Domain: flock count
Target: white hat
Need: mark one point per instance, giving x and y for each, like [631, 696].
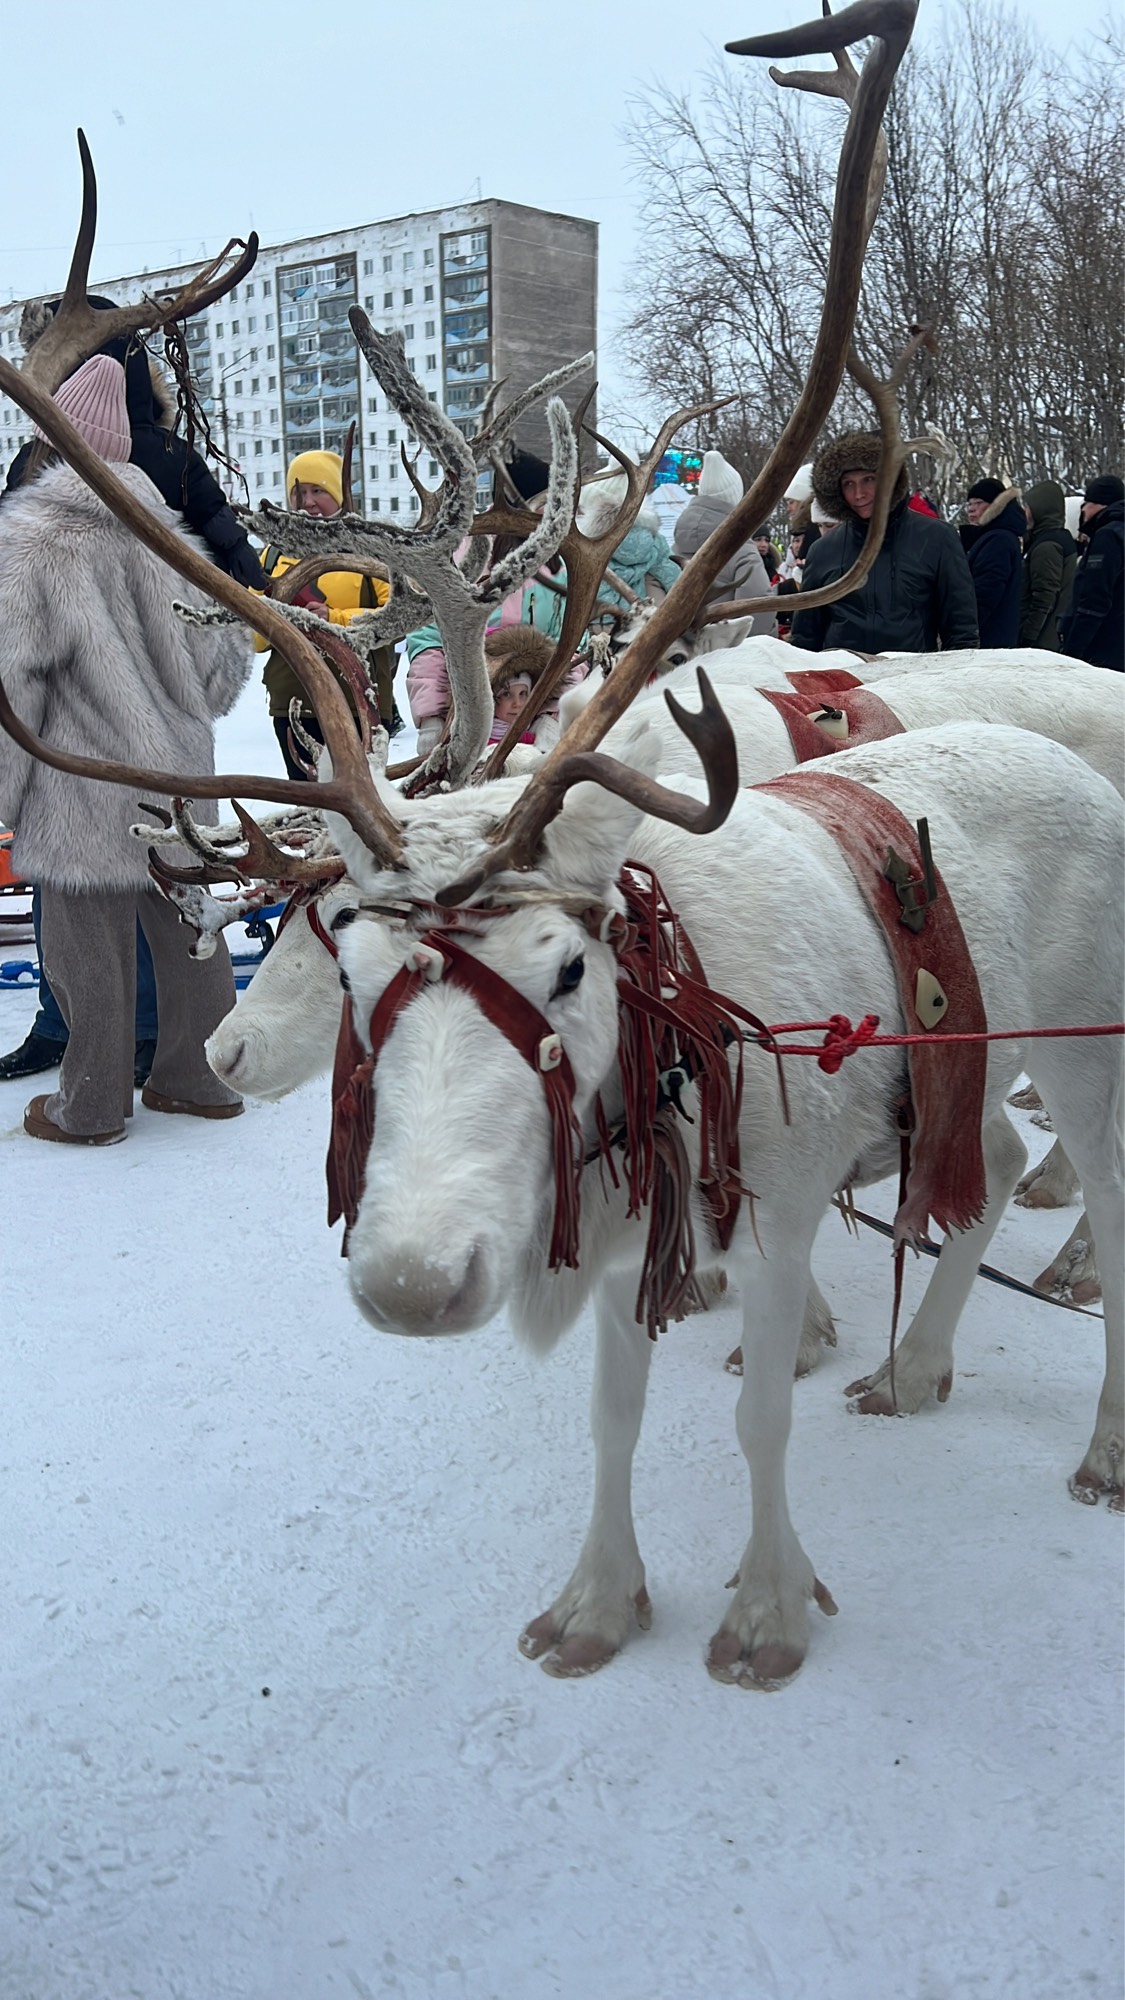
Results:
[800, 486]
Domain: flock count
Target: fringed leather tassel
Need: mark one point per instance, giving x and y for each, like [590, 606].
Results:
[353, 1125]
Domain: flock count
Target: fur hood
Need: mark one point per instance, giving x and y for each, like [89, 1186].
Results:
[856, 451]
[95, 660]
[517, 649]
[1000, 505]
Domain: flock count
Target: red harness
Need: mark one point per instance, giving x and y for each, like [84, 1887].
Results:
[820, 724]
[672, 1031]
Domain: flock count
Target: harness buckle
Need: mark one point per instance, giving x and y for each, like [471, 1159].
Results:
[550, 1052]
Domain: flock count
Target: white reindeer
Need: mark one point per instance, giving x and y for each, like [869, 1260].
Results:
[282, 1032]
[483, 978]
[447, 1235]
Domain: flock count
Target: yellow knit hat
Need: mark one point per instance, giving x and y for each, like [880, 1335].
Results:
[317, 468]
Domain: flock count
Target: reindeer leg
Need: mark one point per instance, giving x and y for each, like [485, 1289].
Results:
[763, 1639]
[591, 1617]
[924, 1357]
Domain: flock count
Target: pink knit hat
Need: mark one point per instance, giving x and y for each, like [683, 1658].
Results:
[94, 400]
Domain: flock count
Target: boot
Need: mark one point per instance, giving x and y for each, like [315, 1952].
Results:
[144, 1055]
[33, 1056]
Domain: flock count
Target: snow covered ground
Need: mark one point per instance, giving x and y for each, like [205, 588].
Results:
[266, 1732]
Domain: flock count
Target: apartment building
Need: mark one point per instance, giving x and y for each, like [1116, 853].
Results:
[488, 291]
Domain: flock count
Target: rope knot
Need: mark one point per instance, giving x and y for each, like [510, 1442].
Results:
[843, 1040]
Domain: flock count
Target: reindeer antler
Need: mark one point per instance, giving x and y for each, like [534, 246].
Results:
[78, 329]
[351, 790]
[515, 842]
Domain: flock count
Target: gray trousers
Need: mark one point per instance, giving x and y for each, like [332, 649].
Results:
[89, 955]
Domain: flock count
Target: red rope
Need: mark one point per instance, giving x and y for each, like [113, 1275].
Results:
[842, 1040]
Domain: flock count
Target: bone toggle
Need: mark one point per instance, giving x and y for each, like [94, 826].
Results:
[426, 958]
[930, 1002]
[550, 1052]
[833, 721]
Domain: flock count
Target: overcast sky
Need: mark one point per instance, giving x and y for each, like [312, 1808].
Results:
[225, 115]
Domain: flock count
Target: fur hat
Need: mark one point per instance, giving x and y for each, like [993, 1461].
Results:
[94, 400]
[800, 487]
[1104, 490]
[317, 468]
[718, 480]
[986, 489]
[517, 649]
[856, 451]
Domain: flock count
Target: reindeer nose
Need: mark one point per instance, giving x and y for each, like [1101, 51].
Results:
[225, 1058]
[413, 1293]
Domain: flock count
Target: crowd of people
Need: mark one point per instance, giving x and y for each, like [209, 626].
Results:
[92, 654]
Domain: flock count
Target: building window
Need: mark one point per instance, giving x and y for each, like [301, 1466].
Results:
[429, 329]
[277, 475]
[222, 361]
[273, 413]
[257, 447]
[375, 503]
[269, 322]
[272, 384]
[236, 324]
[265, 288]
[238, 387]
[392, 437]
[433, 395]
[408, 331]
[257, 419]
[388, 264]
[428, 259]
[392, 470]
[247, 291]
[373, 437]
[252, 323]
[408, 297]
[432, 469]
[253, 356]
[368, 266]
[388, 301]
[218, 329]
[275, 445]
[233, 293]
[431, 363]
[408, 260]
[428, 296]
[255, 385]
[394, 504]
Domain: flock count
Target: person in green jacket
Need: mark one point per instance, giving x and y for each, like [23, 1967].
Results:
[1050, 557]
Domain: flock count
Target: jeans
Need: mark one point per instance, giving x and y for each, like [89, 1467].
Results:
[49, 1023]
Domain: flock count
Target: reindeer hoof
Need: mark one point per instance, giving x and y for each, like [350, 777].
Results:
[572, 1657]
[868, 1401]
[764, 1670]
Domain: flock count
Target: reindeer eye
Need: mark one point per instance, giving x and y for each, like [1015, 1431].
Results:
[343, 918]
[569, 977]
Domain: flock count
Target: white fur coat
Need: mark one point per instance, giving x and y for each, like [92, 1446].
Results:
[94, 660]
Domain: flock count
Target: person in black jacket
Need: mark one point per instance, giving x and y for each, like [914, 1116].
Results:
[179, 474]
[918, 594]
[993, 543]
[1095, 629]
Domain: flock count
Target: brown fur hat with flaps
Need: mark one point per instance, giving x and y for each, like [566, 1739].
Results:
[517, 649]
[856, 451]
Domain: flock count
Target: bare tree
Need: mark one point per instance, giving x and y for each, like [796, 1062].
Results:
[1001, 229]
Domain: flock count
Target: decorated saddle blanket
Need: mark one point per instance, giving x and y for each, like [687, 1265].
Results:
[937, 985]
[830, 710]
